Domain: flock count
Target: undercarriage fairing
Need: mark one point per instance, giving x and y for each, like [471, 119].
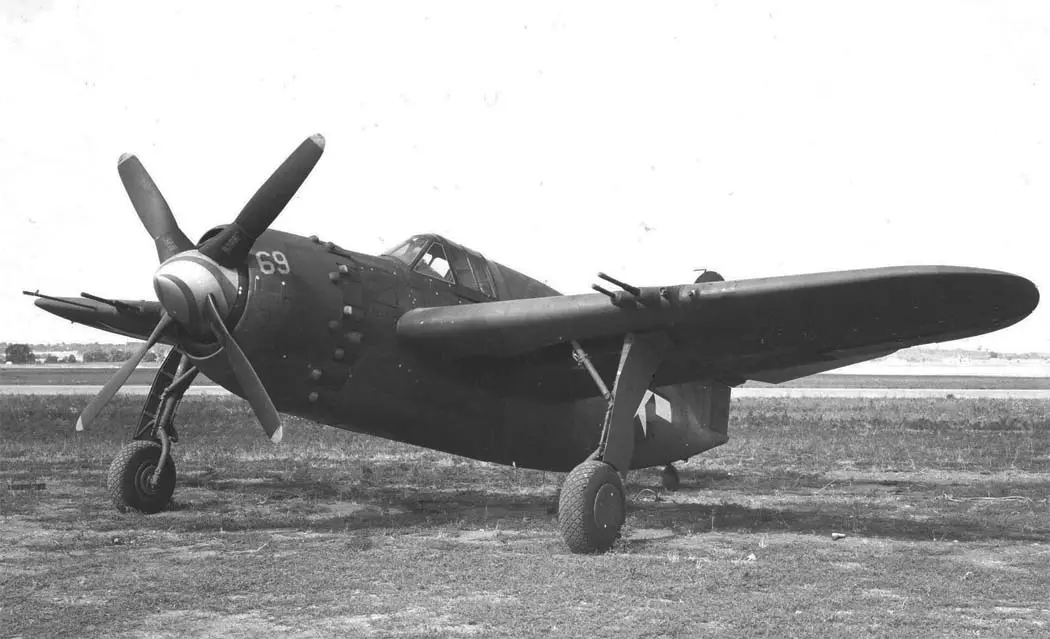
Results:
[695, 419]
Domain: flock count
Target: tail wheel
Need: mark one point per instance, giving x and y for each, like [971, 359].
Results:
[592, 508]
[669, 478]
[130, 479]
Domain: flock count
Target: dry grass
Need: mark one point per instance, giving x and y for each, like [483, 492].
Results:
[943, 501]
[78, 375]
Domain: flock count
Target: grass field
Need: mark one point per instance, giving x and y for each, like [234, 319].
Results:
[943, 504]
[94, 375]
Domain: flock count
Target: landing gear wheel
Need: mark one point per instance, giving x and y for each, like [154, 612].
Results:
[130, 478]
[591, 509]
[669, 478]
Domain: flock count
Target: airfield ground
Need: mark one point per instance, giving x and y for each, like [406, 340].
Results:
[943, 504]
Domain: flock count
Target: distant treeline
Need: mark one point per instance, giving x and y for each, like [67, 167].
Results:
[75, 353]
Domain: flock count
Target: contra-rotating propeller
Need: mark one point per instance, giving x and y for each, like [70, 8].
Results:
[197, 285]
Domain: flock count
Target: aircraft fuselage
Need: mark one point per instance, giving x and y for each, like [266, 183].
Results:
[319, 324]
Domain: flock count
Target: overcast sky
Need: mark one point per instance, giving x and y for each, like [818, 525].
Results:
[643, 139]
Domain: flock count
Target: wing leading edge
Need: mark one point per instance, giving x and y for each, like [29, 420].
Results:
[772, 329]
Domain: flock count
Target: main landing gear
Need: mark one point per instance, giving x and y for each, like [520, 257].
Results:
[133, 479]
[592, 506]
[142, 475]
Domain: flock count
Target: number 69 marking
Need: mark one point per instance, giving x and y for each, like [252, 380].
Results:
[270, 263]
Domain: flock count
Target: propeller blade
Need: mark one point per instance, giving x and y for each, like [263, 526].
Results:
[96, 405]
[251, 385]
[231, 245]
[152, 208]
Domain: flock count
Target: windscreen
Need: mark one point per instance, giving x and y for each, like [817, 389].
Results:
[408, 250]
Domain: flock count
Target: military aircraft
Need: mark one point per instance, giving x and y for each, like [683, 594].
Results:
[433, 344]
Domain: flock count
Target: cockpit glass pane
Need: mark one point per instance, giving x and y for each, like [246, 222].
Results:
[462, 268]
[482, 275]
[408, 250]
[435, 264]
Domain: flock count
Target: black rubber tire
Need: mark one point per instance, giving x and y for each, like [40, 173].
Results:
[592, 507]
[669, 478]
[129, 474]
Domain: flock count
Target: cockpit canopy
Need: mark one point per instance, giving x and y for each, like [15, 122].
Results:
[434, 256]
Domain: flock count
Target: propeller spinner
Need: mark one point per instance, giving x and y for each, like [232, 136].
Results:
[198, 286]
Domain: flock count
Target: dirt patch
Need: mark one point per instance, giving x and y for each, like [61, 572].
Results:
[411, 622]
[198, 623]
[883, 593]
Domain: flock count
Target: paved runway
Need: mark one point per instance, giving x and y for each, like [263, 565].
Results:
[739, 392]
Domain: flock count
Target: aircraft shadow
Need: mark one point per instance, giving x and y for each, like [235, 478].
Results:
[354, 506]
[698, 519]
[897, 509]
[378, 506]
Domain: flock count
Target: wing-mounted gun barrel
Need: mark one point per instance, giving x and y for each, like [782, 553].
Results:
[623, 299]
[633, 290]
[117, 304]
[59, 300]
[131, 319]
[635, 296]
[627, 298]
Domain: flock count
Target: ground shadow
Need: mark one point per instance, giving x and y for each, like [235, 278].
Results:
[743, 519]
[405, 506]
[950, 520]
[271, 499]
[334, 505]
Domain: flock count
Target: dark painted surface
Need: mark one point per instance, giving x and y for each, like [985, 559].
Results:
[367, 344]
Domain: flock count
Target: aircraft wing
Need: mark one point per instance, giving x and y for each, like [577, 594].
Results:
[771, 329]
[131, 318]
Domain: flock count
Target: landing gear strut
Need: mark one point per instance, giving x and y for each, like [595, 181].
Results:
[592, 507]
[142, 475]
